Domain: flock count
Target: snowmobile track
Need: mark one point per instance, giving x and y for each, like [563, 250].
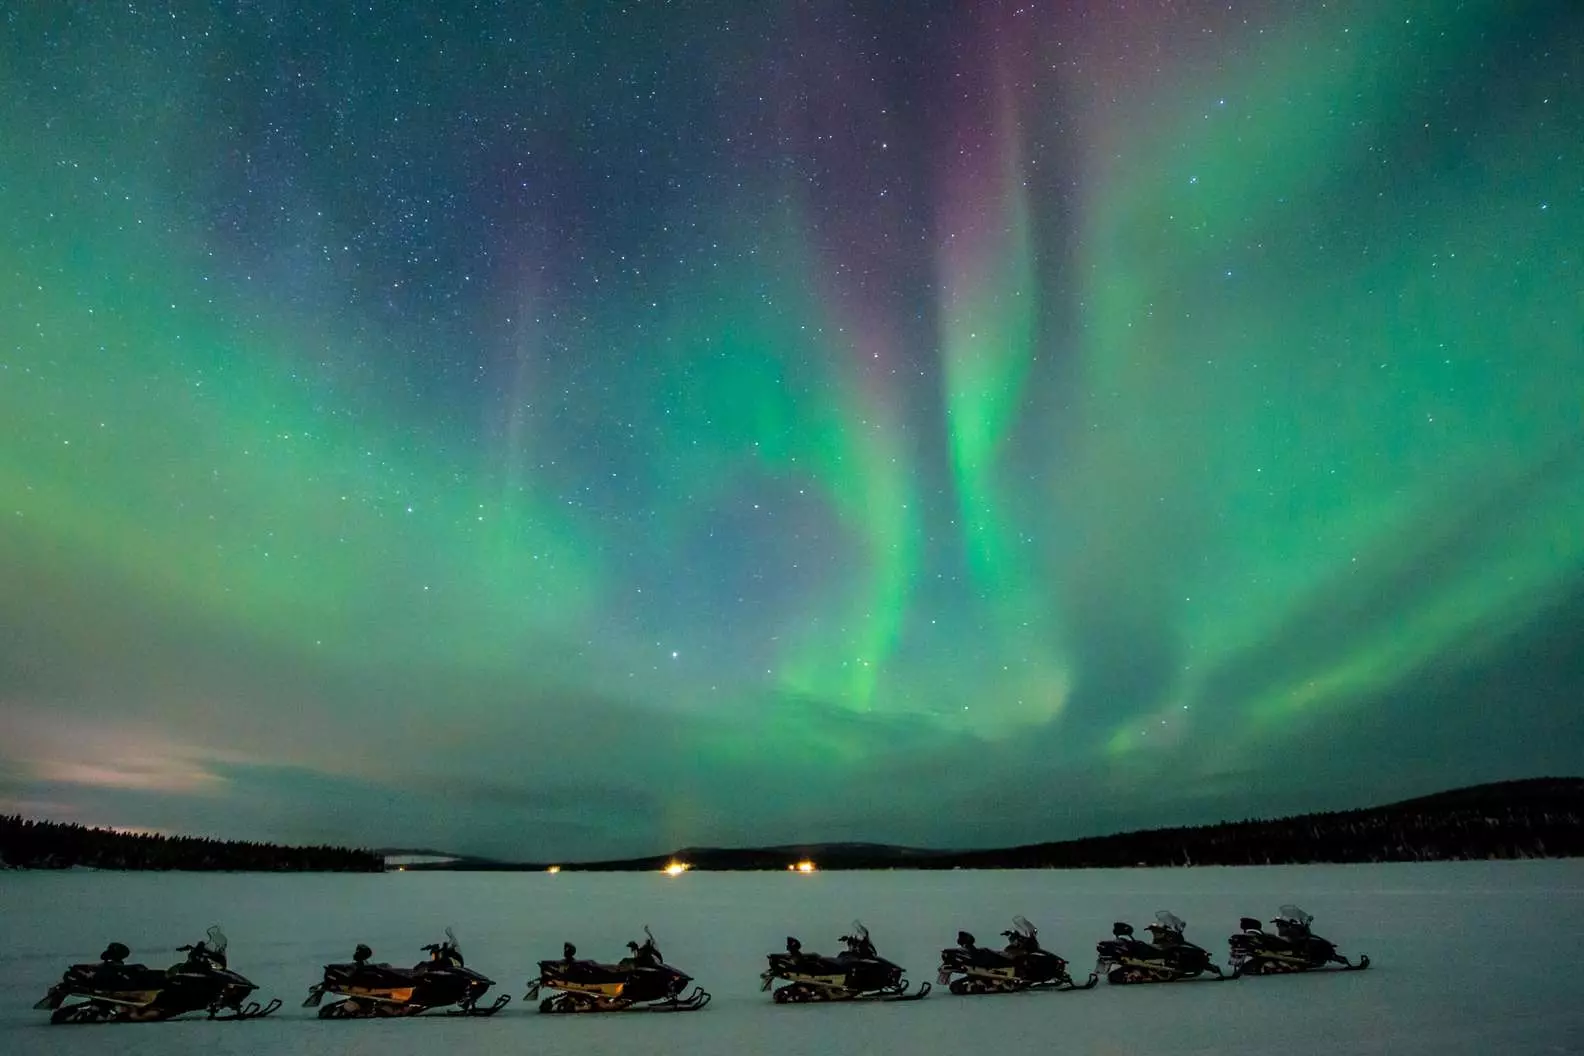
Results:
[564, 1004]
[1255, 967]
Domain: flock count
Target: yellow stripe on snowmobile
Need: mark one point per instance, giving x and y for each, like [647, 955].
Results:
[402, 995]
[607, 989]
[816, 980]
[136, 998]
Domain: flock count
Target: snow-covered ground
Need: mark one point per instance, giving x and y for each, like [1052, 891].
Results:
[1469, 958]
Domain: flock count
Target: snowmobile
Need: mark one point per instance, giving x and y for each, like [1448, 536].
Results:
[117, 992]
[642, 982]
[373, 990]
[1167, 958]
[1294, 948]
[858, 973]
[1022, 965]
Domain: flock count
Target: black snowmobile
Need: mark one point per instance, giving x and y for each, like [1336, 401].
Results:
[1167, 958]
[381, 990]
[1294, 948]
[117, 992]
[1022, 965]
[641, 982]
[858, 973]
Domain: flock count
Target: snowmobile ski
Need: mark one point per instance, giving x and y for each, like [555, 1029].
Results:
[499, 1003]
[251, 1010]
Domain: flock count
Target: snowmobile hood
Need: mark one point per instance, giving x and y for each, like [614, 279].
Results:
[442, 968]
[220, 975]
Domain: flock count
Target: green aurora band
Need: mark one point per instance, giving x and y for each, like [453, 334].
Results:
[1131, 402]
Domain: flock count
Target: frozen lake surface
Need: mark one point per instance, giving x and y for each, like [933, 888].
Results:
[1468, 958]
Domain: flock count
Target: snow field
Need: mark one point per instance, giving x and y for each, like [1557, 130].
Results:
[1468, 958]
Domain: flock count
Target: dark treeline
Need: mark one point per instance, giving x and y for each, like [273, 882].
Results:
[49, 845]
[1541, 818]
[1538, 818]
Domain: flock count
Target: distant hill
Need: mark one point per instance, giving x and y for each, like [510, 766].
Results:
[49, 845]
[1536, 818]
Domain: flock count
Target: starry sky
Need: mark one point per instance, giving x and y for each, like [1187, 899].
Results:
[557, 430]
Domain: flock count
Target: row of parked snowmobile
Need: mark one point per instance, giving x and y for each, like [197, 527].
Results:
[114, 991]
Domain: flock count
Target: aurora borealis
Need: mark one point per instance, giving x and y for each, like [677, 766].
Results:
[568, 429]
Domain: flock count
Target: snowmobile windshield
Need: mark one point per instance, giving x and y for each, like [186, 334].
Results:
[216, 939]
[859, 931]
[451, 940]
[1024, 928]
[1294, 914]
[1168, 919]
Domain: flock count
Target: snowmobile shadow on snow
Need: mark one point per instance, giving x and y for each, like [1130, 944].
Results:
[1294, 948]
[1168, 958]
[117, 992]
[642, 982]
[858, 973]
[1022, 965]
[379, 990]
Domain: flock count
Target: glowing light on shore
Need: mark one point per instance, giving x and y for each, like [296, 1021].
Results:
[805, 866]
[552, 870]
[676, 868]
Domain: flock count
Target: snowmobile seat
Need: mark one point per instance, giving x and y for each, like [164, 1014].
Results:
[988, 958]
[1291, 930]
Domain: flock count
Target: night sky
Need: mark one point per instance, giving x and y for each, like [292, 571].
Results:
[572, 429]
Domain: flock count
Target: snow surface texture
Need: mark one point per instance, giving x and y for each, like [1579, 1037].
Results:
[1468, 958]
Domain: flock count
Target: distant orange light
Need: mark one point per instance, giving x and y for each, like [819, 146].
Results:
[676, 868]
[805, 866]
[552, 870]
